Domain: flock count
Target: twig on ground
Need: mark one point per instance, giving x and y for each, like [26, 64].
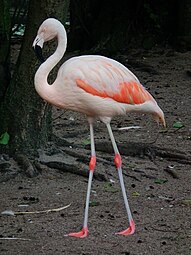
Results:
[44, 211]
[146, 150]
[171, 172]
[12, 213]
[15, 238]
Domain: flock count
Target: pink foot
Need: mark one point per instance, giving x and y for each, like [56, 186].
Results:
[83, 233]
[129, 231]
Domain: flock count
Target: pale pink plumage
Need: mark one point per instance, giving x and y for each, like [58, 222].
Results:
[96, 86]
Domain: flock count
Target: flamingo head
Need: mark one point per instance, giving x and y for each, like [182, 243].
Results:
[46, 32]
[159, 117]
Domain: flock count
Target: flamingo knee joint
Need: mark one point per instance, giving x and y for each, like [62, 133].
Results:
[118, 160]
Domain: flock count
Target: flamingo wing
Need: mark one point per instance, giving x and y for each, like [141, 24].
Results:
[106, 78]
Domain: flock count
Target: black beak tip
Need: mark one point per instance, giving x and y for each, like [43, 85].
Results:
[38, 52]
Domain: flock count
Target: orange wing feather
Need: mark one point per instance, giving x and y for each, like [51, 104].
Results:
[129, 92]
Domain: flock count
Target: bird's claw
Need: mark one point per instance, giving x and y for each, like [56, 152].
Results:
[129, 231]
[81, 234]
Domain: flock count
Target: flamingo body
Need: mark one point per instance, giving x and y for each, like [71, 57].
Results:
[94, 85]
[98, 86]
[102, 87]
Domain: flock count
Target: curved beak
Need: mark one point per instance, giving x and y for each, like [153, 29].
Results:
[37, 46]
[159, 117]
[162, 121]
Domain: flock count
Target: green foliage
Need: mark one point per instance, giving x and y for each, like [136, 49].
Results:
[4, 138]
[18, 30]
[153, 16]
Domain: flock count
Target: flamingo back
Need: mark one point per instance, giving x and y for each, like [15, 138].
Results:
[106, 78]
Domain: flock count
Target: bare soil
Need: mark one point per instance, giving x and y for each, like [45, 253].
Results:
[158, 184]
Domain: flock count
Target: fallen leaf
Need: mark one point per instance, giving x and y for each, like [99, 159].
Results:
[160, 181]
[86, 141]
[135, 194]
[164, 130]
[94, 203]
[186, 201]
[178, 124]
[108, 186]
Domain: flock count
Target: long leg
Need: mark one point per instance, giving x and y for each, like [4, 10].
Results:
[131, 228]
[84, 232]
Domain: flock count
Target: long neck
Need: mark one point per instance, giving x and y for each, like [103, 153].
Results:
[42, 87]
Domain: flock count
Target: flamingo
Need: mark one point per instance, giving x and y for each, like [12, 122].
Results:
[98, 87]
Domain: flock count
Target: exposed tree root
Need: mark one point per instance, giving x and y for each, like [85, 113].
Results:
[76, 161]
[11, 167]
[74, 169]
[68, 163]
[146, 150]
[26, 165]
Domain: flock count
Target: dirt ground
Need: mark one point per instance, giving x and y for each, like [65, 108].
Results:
[158, 186]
